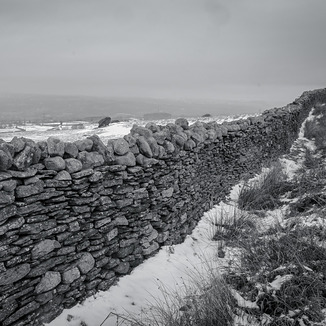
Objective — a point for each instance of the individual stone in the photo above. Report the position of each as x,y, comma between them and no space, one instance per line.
127,159
32,180
130,140
44,247
183,123
70,275
85,263
7,212
71,150
18,144
152,126
44,297
189,145
55,146
63,176
96,176
90,159
152,248
8,185
167,193
8,148
73,165
84,144
56,163
13,223
48,282
30,172
122,268
26,191
168,146
154,146
144,147
6,198
120,146
161,136
99,147
5,175
112,234
5,160
104,122
142,131
179,140
14,274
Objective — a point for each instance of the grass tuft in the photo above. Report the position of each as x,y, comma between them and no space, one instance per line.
265,193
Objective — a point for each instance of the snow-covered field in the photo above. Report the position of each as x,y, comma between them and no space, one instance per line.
67,133
172,269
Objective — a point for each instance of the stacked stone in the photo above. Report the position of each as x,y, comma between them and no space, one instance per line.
76,216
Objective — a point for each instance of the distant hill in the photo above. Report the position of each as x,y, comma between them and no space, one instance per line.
39,108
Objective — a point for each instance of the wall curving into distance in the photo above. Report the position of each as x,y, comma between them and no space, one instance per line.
76,216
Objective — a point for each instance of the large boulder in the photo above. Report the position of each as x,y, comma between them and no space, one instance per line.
104,122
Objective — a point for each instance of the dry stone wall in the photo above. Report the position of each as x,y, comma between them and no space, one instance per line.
76,216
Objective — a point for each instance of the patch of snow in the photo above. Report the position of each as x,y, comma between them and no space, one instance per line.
279,281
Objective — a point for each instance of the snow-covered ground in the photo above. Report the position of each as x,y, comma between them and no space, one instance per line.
172,269
114,130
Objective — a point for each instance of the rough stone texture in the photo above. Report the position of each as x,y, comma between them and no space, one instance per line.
48,282
70,275
90,159
85,263
5,160
55,147
127,159
14,274
67,234
84,144
56,163
120,146
73,165
44,247
71,150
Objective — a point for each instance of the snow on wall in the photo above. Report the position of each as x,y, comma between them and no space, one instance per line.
75,216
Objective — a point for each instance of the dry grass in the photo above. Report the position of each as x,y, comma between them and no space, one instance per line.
207,302
265,193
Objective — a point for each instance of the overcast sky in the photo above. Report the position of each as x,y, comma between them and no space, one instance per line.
162,48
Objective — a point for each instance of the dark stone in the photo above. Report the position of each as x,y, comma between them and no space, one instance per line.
14,274
104,122
5,160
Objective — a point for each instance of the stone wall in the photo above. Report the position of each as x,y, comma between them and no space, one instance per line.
76,216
